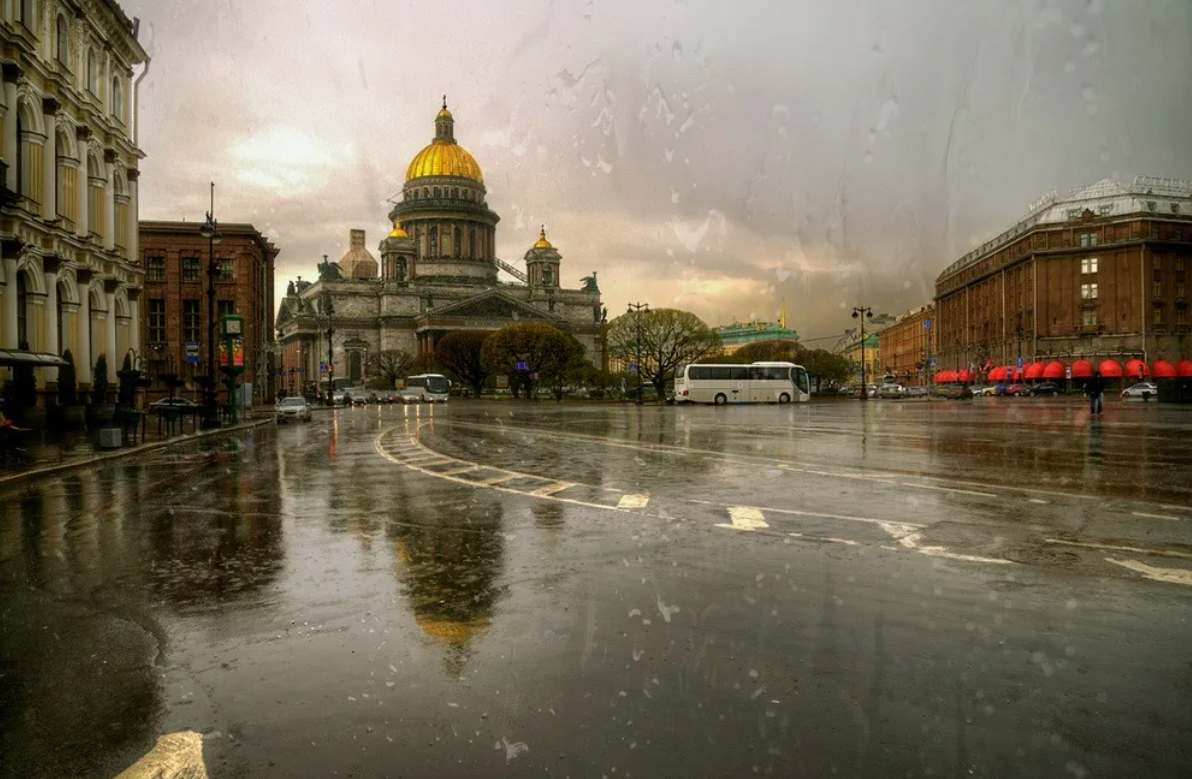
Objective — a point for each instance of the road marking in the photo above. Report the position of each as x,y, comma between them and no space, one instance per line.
551,489
633,501
1155,516
745,518
1119,548
458,471
499,479
1038,500
847,541
796,513
911,541
1170,575
1176,508
947,489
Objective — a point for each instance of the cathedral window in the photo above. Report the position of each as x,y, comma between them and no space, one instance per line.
455,192
436,192
426,191
472,243
433,249
547,277
458,242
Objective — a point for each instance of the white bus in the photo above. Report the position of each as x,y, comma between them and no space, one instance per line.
760,382
428,387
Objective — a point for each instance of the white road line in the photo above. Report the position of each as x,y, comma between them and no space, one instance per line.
745,518
1155,516
501,478
633,501
1175,508
1120,548
458,471
551,489
1038,500
947,489
1170,575
847,541
796,513
911,541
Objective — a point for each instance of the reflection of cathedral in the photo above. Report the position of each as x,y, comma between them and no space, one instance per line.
437,274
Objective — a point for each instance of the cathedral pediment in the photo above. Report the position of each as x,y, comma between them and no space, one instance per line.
493,304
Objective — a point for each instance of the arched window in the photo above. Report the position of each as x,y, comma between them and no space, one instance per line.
426,191
117,98
92,73
547,276
22,312
27,15
436,191
458,242
63,47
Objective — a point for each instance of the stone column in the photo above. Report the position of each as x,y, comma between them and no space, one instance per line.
134,310
49,160
83,187
12,74
109,201
51,264
109,287
82,355
134,227
10,294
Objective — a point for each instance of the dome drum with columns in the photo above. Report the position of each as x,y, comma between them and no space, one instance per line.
438,274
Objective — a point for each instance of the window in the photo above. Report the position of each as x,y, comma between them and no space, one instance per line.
63,33
190,269
1088,291
1104,210
547,277
472,243
27,15
455,192
436,191
1151,205
157,321
433,237
190,321
155,269
1181,316
225,307
22,312
458,242
1088,318
1088,239
1088,265
1157,315
227,270
1154,232
1073,213
117,99
1179,234
92,73
1157,288
1175,208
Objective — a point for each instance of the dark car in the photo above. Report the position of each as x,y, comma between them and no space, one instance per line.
952,392
1045,388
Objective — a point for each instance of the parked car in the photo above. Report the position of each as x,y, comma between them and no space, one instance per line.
953,392
1045,388
916,392
358,396
292,408
1017,389
989,390
1143,389
891,391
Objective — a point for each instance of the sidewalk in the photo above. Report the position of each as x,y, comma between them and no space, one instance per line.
78,450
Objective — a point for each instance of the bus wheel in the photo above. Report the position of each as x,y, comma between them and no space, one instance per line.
720,399
784,398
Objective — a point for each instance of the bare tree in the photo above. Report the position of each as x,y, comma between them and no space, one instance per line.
393,364
668,338
459,353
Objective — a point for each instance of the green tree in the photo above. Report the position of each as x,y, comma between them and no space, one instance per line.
774,350
392,364
669,339
833,370
564,366
543,349
460,353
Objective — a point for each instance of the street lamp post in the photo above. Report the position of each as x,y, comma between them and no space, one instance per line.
862,313
636,309
210,230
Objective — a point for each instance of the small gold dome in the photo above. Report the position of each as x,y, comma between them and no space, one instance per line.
542,243
397,231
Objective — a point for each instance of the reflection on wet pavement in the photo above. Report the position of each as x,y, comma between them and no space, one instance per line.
487,588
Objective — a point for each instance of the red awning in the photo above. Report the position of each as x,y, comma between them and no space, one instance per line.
1110,369
1162,369
943,377
1054,370
1034,371
1183,368
998,373
1082,369
1137,369
965,376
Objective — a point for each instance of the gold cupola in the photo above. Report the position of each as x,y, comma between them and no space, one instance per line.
444,157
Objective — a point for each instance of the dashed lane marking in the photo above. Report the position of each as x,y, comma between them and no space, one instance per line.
1038,500
820,514
633,501
1121,548
846,541
1155,516
948,489
745,518
1155,573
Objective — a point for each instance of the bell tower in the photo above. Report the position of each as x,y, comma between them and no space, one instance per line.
542,263
397,255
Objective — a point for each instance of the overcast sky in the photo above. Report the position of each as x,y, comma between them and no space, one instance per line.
706,155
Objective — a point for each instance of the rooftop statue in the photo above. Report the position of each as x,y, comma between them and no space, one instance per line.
589,283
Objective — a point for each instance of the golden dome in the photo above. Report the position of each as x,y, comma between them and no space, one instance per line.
542,243
397,231
444,158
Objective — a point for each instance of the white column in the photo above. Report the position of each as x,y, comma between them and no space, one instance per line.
10,133
10,302
49,168
134,226
109,217
51,312
83,193
83,357
134,328
110,336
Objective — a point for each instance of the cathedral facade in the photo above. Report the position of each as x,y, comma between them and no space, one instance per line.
438,273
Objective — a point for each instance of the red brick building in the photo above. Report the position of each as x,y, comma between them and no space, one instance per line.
908,346
174,300
1100,273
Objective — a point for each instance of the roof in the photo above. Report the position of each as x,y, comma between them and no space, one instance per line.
749,332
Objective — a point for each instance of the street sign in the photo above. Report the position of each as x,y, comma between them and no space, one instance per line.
192,352
322,367
926,324
522,366
633,367
1020,363
933,362
1068,372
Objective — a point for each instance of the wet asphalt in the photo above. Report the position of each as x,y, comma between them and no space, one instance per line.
999,587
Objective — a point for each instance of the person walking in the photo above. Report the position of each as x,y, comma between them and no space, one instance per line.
1095,389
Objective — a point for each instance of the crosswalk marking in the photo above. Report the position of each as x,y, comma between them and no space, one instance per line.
746,518
551,489
1154,572
633,501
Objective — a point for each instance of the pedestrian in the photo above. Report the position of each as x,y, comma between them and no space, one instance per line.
1095,388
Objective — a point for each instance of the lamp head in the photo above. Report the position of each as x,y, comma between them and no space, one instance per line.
207,229
855,315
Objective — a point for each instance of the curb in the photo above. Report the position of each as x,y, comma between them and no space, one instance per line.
50,470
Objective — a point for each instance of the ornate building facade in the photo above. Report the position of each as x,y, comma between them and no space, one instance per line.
68,181
438,273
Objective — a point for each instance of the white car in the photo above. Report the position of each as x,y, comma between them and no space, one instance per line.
1143,389
293,408
891,391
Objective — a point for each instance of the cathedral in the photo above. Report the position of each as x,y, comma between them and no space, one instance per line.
438,274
